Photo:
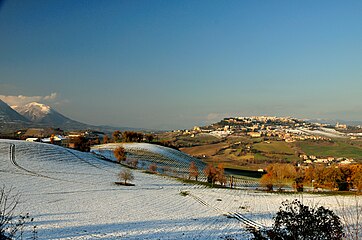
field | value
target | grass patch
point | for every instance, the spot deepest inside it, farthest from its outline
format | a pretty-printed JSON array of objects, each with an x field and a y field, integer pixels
[
  {"x": 260, "y": 157},
  {"x": 331, "y": 149},
  {"x": 208, "y": 149},
  {"x": 278, "y": 147}
]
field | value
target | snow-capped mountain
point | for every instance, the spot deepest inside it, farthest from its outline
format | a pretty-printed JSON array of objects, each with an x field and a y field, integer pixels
[
  {"x": 38, "y": 115},
  {"x": 37, "y": 112},
  {"x": 9, "y": 115},
  {"x": 42, "y": 114}
]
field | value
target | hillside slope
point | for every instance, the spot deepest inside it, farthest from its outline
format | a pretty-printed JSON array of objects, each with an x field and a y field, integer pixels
[
  {"x": 176, "y": 163},
  {"x": 71, "y": 195}
]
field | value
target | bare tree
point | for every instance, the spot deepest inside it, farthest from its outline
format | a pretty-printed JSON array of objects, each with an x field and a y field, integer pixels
[{"x": 126, "y": 175}]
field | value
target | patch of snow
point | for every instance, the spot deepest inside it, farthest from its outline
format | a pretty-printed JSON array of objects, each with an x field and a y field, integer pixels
[{"x": 327, "y": 132}]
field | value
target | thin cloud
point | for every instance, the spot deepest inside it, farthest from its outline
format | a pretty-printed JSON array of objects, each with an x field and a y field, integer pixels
[
  {"x": 21, "y": 100},
  {"x": 52, "y": 96}
]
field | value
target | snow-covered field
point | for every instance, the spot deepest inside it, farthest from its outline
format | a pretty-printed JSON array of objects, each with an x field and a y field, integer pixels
[
  {"x": 326, "y": 132},
  {"x": 176, "y": 162},
  {"x": 72, "y": 195}
]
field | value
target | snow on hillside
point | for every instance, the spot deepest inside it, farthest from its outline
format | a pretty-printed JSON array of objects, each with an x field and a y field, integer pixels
[
  {"x": 327, "y": 132},
  {"x": 71, "y": 195},
  {"x": 177, "y": 162}
]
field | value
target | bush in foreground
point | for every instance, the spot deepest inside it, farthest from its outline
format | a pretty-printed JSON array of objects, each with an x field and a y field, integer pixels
[
  {"x": 297, "y": 221},
  {"x": 12, "y": 225}
]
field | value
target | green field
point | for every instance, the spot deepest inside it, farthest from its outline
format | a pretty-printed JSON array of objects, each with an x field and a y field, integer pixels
[
  {"x": 280, "y": 147},
  {"x": 331, "y": 149}
]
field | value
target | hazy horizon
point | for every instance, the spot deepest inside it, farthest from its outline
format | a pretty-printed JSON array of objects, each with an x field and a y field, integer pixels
[{"x": 177, "y": 64}]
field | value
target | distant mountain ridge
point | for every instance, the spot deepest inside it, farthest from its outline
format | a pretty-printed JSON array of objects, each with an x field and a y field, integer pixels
[
  {"x": 9, "y": 115},
  {"x": 34, "y": 111},
  {"x": 335, "y": 121},
  {"x": 42, "y": 116}
]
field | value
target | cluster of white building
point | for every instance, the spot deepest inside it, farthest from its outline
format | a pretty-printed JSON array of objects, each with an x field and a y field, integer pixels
[{"x": 325, "y": 160}]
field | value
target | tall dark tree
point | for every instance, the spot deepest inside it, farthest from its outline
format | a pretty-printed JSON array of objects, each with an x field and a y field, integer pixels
[{"x": 117, "y": 136}]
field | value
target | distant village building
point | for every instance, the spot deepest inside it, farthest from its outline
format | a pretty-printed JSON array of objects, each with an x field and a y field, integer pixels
[
  {"x": 32, "y": 139},
  {"x": 57, "y": 140},
  {"x": 254, "y": 134},
  {"x": 197, "y": 129},
  {"x": 341, "y": 126}
]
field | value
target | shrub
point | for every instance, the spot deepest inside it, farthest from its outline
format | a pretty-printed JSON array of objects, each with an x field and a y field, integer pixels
[
  {"x": 120, "y": 154},
  {"x": 11, "y": 225},
  {"x": 81, "y": 143},
  {"x": 153, "y": 167},
  {"x": 297, "y": 221},
  {"x": 184, "y": 193},
  {"x": 133, "y": 163}
]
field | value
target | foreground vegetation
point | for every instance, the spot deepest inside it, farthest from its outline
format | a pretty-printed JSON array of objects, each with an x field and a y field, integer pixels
[{"x": 297, "y": 221}]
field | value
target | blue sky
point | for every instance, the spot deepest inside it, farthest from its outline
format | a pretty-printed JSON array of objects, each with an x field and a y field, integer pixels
[{"x": 175, "y": 64}]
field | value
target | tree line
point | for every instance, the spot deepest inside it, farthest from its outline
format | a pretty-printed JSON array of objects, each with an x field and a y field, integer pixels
[
  {"x": 334, "y": 177},
  {"x": 132, "y": 136}
]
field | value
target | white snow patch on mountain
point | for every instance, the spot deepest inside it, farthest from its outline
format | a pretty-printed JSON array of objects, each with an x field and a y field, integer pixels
[{"x": 34, "y": 111}]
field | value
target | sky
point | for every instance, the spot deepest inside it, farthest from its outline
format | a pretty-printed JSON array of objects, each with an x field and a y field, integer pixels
[{"x": 178, "y": 64}]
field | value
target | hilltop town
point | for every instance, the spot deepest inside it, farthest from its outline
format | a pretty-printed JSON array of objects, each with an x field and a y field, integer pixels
[{"x": 259, "y": 140}]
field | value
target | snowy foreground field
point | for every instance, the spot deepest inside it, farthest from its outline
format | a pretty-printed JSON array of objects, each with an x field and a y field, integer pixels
[{"x": 72, "y": 195}]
